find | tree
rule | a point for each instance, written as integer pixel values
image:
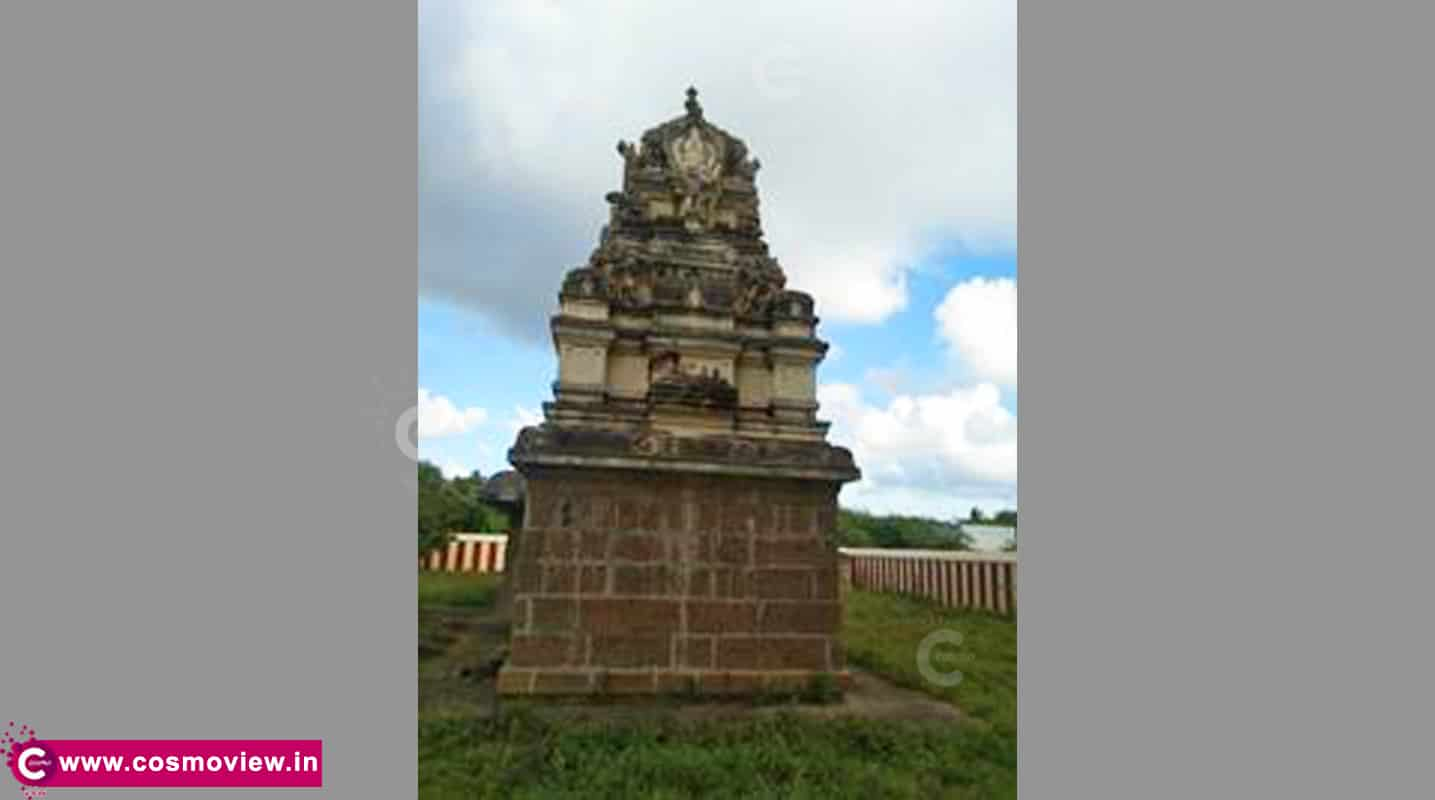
(976, 514)
(446, 506)
(851, 532)
(439, 511)
(478, 516)
(861, 529)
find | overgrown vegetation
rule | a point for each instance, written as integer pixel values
(457, 590)
(521, 754)
(460, 642)
(446, 506)
(861, 529)
(782, 756)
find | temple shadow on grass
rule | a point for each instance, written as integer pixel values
(468, 751)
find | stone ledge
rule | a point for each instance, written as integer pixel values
(554, 446)
(560, 683)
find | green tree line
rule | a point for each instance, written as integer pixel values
(448, 506)
(1006, 518)
(861, 529)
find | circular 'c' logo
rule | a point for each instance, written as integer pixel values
(924, 658)
(34, 763)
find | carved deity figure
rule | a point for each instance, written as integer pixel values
(662, 366)
(698, 165)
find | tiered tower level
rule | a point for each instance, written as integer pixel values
(681, 319)
(681, 501)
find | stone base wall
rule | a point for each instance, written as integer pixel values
(627, 582)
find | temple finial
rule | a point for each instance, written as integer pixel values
(694, 110)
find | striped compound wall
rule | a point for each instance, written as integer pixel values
(468, 552)
(985, 581)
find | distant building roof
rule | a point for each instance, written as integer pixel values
(989, 537)
(1004, 530)
(506, 488)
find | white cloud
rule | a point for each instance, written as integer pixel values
(978, 321)
(885, 131)
(522, 418)
(888, 379)
(455, 469)
(439, 417)
(933, 454)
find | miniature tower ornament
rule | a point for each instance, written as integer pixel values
(679, 530)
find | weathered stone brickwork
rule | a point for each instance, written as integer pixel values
(678, 532)
(631, 582)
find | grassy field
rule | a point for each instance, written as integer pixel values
(522, 754)
(440, 590)
(882, 633)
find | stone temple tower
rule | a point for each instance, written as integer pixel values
(679, 530)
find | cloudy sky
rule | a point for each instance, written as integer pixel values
(887, 133)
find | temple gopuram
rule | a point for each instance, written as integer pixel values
(678, 533)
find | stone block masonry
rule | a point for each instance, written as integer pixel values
(640, 583)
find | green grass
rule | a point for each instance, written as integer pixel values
(521, 754)
(458, 636)
(882, 633)
(457, 590)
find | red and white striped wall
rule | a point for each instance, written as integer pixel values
(955, 579)
(468, 552)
